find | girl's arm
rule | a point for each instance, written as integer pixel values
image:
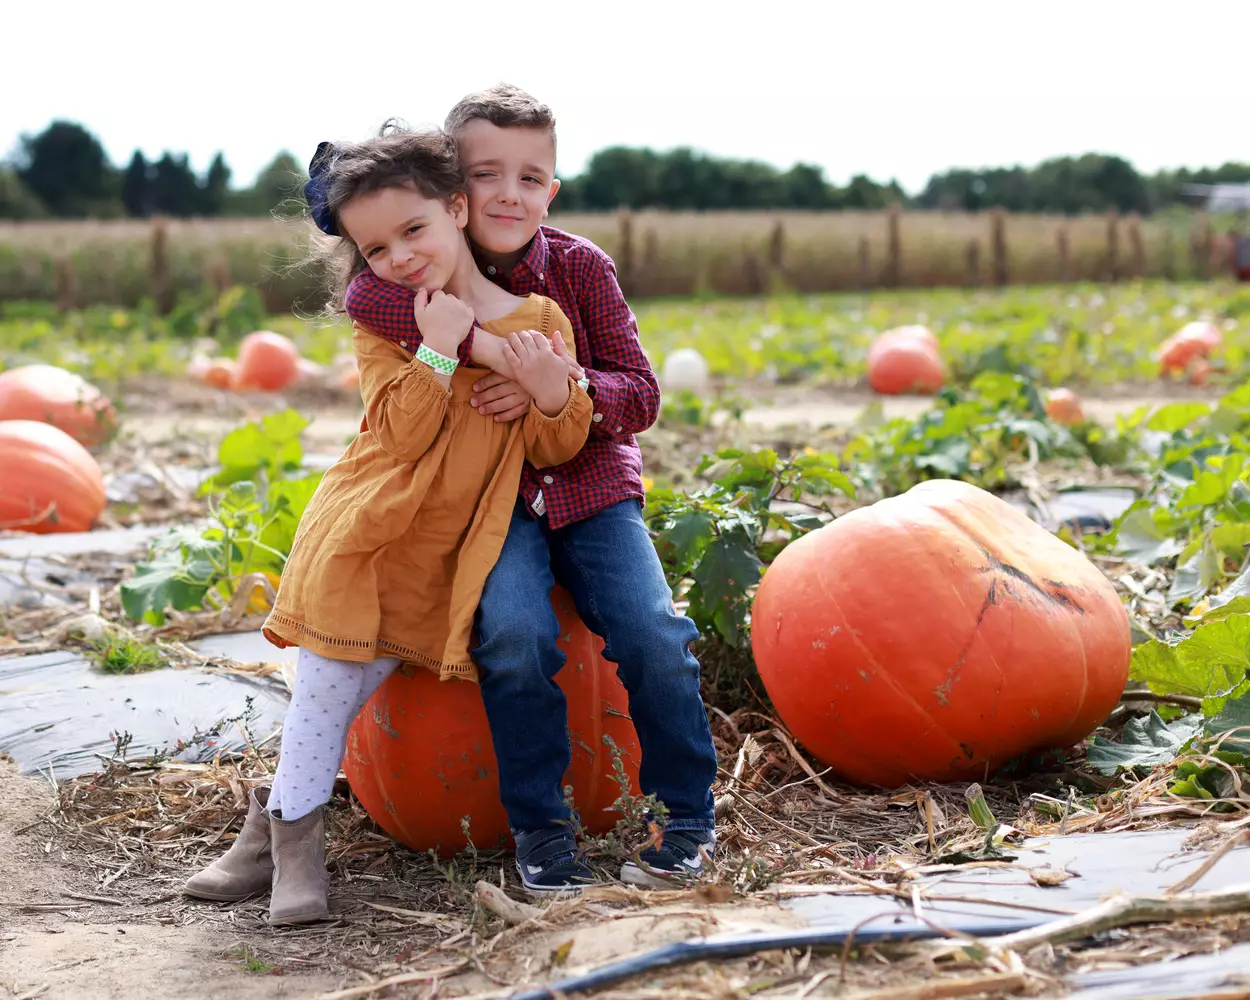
(551, 441)
(405, 400)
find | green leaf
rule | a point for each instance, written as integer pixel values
(1236, 606)
(1208, 664)
(1146, 742)
(1140, 538)
(728, 569)
(272, 445)
(177, 576)
(1213, 486)
(1231, 539)
(1234, 718)
(951, 457)
(1176, 416)
(683, 541)
(1196, 575)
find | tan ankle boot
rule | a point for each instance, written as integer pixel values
(247, 868)
(300, 880)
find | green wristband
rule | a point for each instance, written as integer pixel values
(441, 364)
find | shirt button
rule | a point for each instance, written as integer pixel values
(619, 429)
(403, 343)
(542, 276)
(490, 269)
(548, 480)
(597, 417)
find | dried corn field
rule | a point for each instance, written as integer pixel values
(81, 263)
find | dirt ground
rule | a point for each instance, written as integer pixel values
(72, 927)
(56, 944)
(159, 409)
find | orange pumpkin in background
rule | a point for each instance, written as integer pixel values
(1063, 406)
(60, 398)
(267, 361)
(1197, 340)
(220, 373)
(936, 635)
(906, 359)
(419, 755)
(50, 482)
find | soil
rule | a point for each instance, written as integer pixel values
(58, 947)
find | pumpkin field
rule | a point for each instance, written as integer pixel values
(970, 573)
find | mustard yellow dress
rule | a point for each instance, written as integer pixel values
(391, 555)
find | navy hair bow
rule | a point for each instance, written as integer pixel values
(316, 190)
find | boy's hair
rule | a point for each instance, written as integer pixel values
(422, 159)
(503, 105)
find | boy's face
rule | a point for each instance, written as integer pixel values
(512, 180)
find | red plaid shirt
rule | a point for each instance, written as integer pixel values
(581, 278)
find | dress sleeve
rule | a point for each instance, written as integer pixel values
(405, 405)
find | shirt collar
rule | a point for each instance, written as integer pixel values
(537, 256)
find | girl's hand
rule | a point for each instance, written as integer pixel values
(444, 321)
(539, 370)
(578, 371)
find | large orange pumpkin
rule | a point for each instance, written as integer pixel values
(905, 359)
(60, 398)
(420, 757)
(936, 635)
(50, 483)
(267, 361)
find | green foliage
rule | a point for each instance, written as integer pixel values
(104, 344)
(1196, 510)
(972, 435)
(257, 499)
(124, 654)
(715, 542)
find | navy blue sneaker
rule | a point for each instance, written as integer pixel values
(548, 861)
(677, 860)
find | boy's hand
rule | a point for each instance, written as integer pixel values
(539, 370)
(444, 321)
(502, 396)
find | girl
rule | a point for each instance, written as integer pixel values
(391, 555)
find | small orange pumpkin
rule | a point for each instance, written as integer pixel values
(1001, 639)
(1063, 406)
(267, 361)
(905, 360)
(220, 373)
(420, 757)
(50, 482)
(60, 398)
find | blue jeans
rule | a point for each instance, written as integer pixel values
(609, 566)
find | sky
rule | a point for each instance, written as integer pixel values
(898, 89)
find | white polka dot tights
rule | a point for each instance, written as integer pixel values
(328, 696)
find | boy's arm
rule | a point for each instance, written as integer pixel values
(622, 384)
(382, 305)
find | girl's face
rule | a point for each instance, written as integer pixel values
(407, 238)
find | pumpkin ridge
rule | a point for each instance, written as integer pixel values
(1014, 573)
(886, 676)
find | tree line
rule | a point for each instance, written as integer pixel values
(63, 172)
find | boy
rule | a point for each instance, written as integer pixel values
(579, 523)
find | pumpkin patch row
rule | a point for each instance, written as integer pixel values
(270, 362)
